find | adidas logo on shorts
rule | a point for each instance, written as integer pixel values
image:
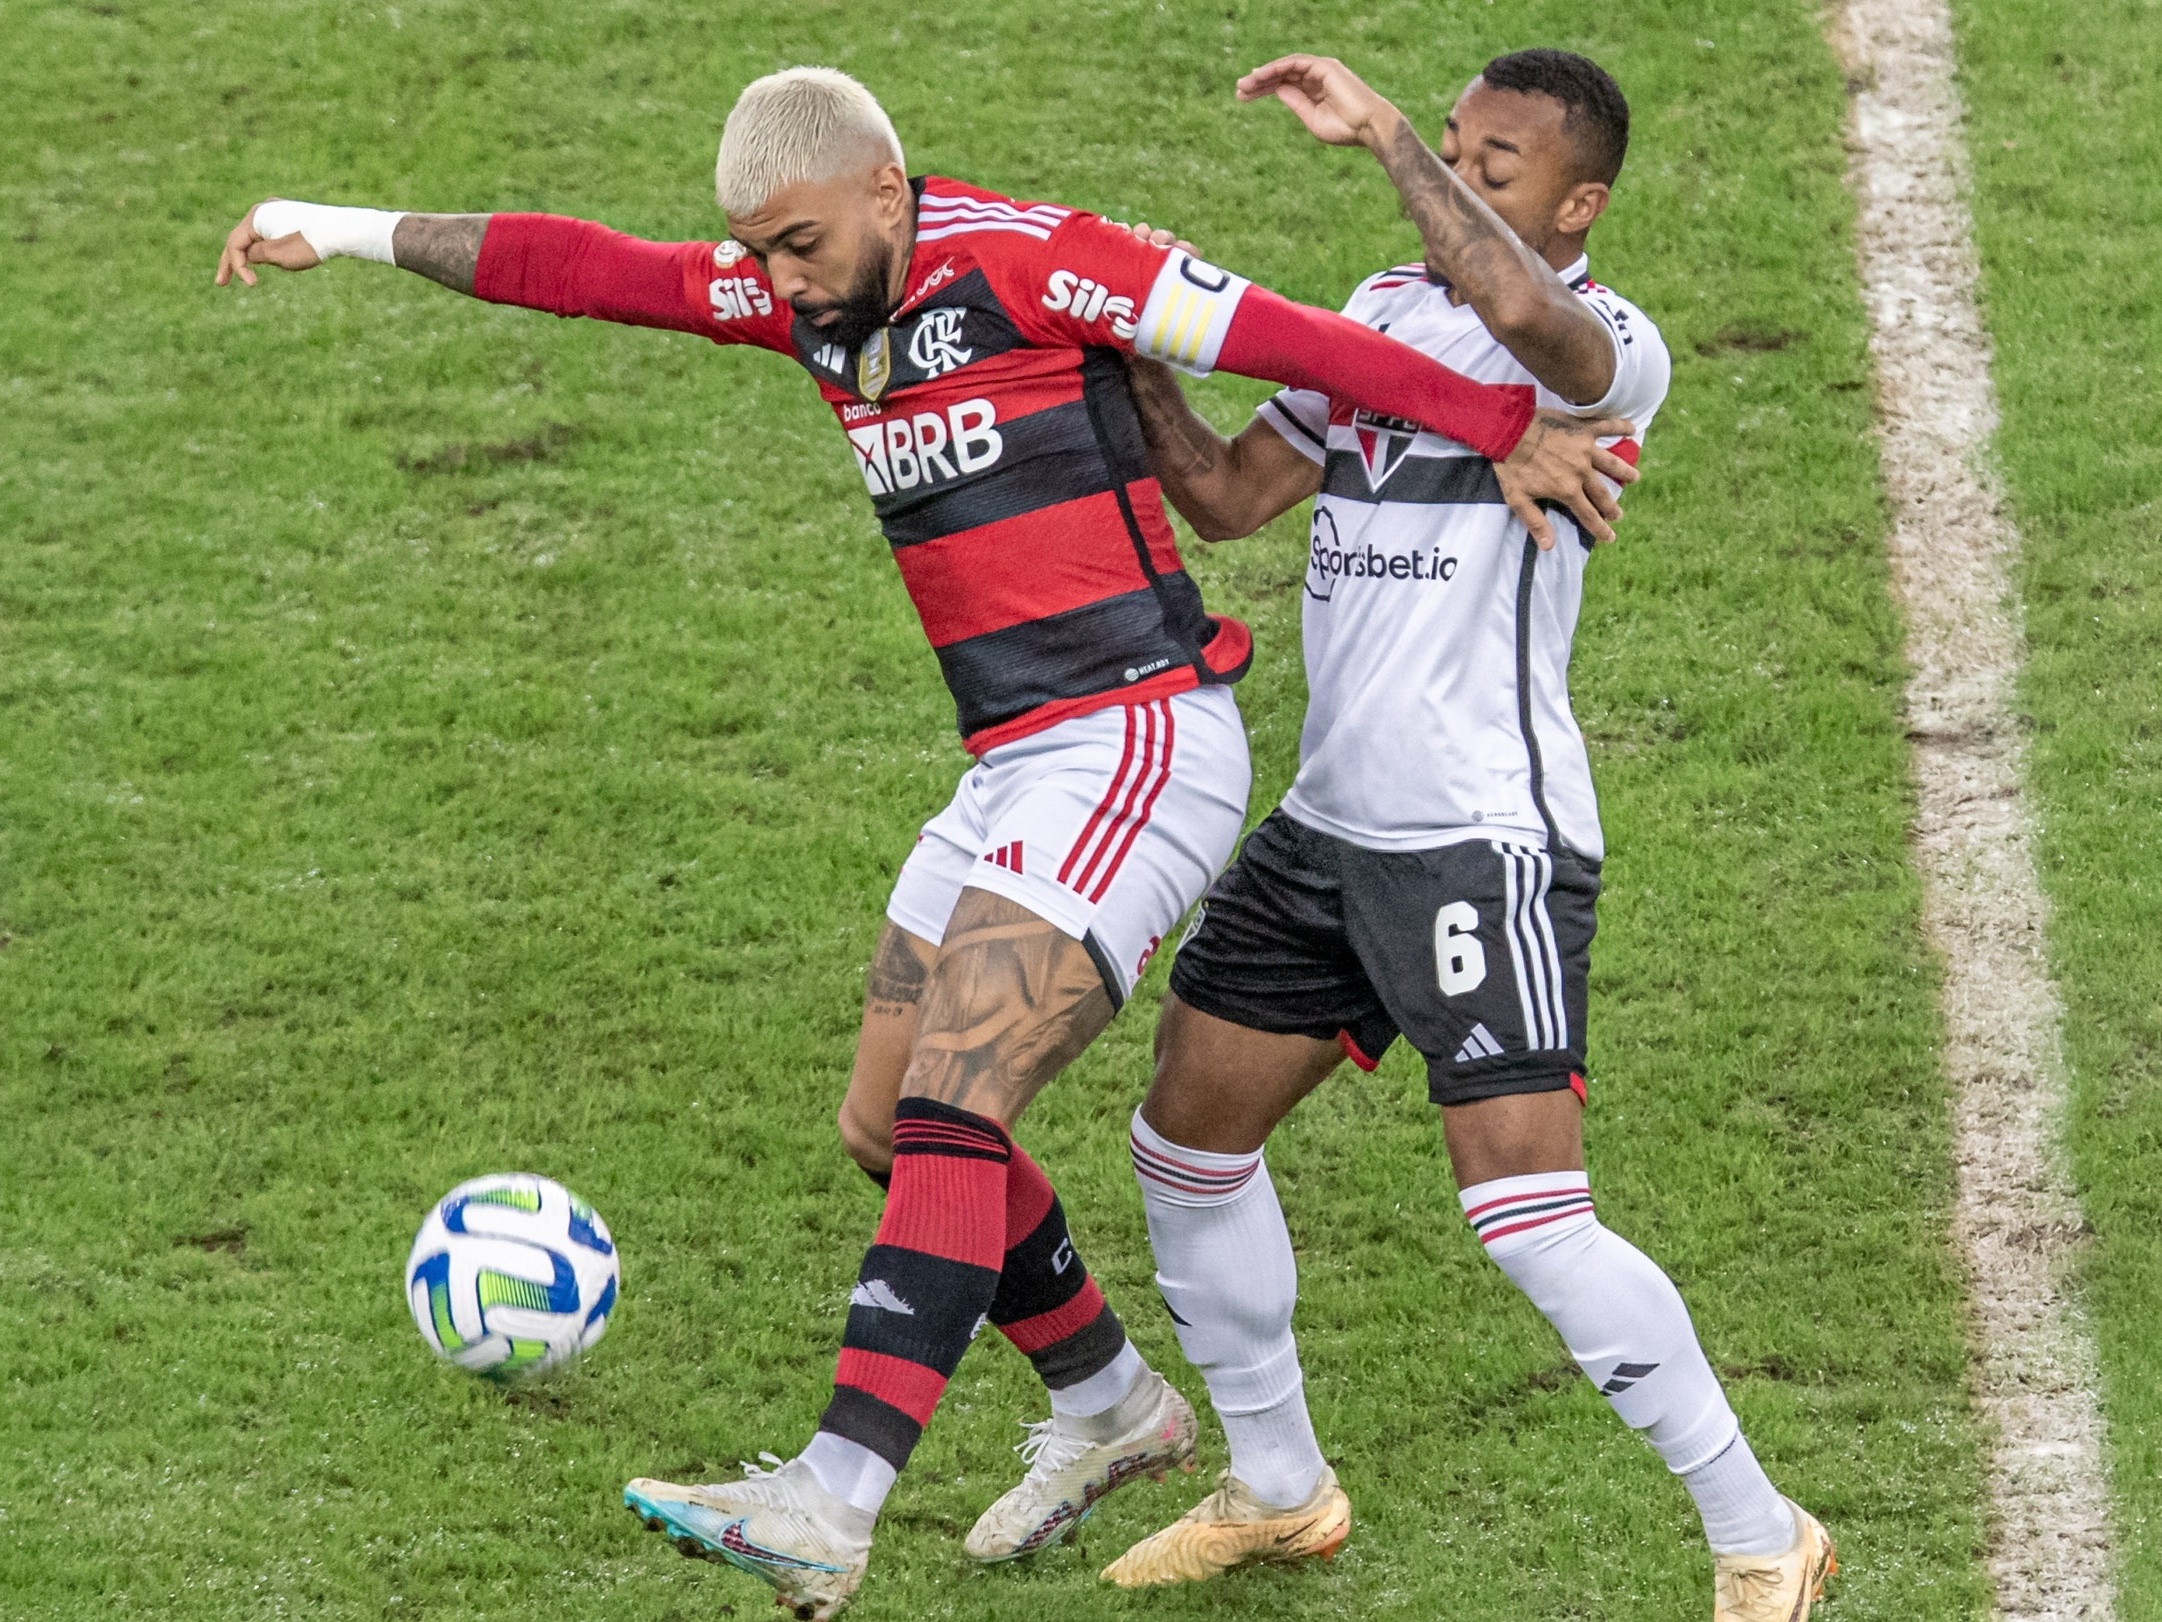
(1479, 1045)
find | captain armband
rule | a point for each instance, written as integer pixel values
(334, 233)
(1188, 312)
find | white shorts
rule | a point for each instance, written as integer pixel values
(1108, 826)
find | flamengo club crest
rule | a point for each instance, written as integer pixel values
(874, 365)
(935, 345)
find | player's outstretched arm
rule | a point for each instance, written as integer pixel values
(1523, 303)
(538, 261)
(1178, 309)
(1225, 488)
(299, 236)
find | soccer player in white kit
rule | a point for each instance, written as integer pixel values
(1434, 869)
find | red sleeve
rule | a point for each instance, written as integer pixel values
(1273, 338)
(1095, 283)
(574, 267)
(1086, 285)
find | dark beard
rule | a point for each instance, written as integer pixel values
(865, 308)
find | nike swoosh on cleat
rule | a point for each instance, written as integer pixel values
(1066, 1515)
(733, 1542)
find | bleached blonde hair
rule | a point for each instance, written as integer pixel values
(796, 125)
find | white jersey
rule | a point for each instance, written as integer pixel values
(1437, 635)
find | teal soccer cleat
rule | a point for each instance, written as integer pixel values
(779, 1525)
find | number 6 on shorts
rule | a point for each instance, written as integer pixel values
(1458, 956)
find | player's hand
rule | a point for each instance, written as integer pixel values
(1157, 237)
(1333, 102)
(246, 246)
(1559, 459)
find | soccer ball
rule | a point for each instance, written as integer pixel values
(512, 1276)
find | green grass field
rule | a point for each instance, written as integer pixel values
(437, 739)
(2066, 144)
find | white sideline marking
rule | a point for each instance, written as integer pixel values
(2017, 1219)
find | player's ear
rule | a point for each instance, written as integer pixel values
(895, 198)
(1587, 200)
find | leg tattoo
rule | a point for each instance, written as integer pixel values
(1010, 1003)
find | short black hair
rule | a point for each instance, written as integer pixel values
(1594, 110)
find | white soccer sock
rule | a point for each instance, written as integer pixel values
(1624, 1323)
(1101, 1391)
(1224, 1265)
(1274, 1452)
(1729, 1491)
(849, 1471)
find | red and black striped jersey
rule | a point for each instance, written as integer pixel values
(992, 423)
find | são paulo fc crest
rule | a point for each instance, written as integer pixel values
(1381, 448)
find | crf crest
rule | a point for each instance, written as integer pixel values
(935, 345)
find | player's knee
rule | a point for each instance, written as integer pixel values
(1514, 1135)
(869, 1143)
(1177, 1100)
(1222, 1088)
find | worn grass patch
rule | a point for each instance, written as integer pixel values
(2066, 142)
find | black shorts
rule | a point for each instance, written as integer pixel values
(1477, 952)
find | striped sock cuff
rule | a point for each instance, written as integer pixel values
(1183, 1176)
(1539, 1204)
(924, 1126)
(870, 1422)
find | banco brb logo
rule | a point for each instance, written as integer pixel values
(935, 345)
(900, 452)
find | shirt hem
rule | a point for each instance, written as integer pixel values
(1045, 716)
(1433, 838)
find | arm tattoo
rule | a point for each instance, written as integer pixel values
(1548, 327)
(1180, 443)
(1465, 240)
(894, 982)
(1011, 1002)
(442, 247)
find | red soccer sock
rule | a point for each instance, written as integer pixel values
(1047, 1304)
(927, 1280)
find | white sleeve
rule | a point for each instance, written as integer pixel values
(1302, 417)
(1642, 368)
(333, 233)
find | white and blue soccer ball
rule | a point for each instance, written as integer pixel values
(512, 1276)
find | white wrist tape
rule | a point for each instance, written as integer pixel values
(334, 233)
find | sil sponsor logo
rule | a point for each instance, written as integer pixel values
(1070, 293)
(902, 452)
(737, 298)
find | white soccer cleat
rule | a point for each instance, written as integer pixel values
(1230, 1528)
(779, 1525)
(1775, 1587)
(1069, 1472)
